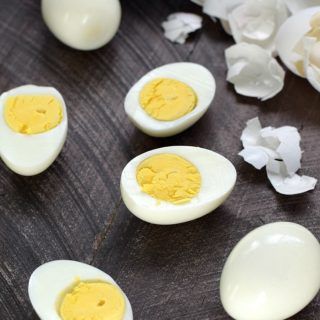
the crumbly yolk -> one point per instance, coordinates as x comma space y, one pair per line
32, 114
169, 177
167, 99
93, 301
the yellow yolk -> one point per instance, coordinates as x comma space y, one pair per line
167, 99
32, 114
169, 177
93, 301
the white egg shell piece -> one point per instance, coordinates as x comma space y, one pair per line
218, 177
31, 154
290, 33
196, 76
49, 281
82, 24
272, 273
297, 5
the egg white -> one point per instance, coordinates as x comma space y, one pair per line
49, 281
218, 179
290, 33
196, 76
31, 154
82, 24
272, 273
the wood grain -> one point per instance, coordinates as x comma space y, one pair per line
74, 209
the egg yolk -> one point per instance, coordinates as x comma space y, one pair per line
169, 177
32, 114
167, 99
93, 301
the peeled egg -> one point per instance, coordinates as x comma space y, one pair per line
170, 99
82, 24
33, 128
272, 273
289, 35
65, 289
176, 184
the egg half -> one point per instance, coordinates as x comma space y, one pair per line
176, 184
170, 99
272, 273
33, 128
65, 289
82, 24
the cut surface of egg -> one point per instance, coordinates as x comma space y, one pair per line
82, 24
33, 128
272, 273
289, 35
170, 99
176, 184
71, 290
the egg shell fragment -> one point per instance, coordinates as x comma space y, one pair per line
178, 26
297, 5
49, 281
290, 33
196, 76
218, 179
272, 273
31, 154
82, 24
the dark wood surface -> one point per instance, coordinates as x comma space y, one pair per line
74, 209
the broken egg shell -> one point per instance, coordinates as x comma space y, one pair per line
290, 33
295, 6
257, 22
287, 184
179, 25
253, 71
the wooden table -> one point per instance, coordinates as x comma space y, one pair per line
74, 209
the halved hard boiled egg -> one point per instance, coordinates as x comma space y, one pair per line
71, 290
170, 99
33, 128
176, 184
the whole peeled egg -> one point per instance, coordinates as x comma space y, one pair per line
82, 24
72, 290
272, 273
176, 184
33, 128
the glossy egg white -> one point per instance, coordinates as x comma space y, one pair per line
196, 76
218, 177
31, 154
272, 273
82, 24
290, 32
49, 281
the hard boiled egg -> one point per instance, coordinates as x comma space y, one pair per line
82, 24
176, 184
33, 128
65, 290
272, 273
170, 99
